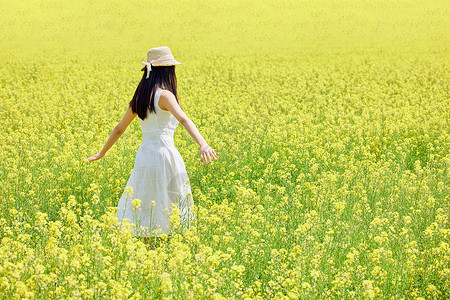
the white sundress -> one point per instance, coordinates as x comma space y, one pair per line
159, 175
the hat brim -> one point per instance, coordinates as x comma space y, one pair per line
171, 62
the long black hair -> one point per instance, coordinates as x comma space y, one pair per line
160, 76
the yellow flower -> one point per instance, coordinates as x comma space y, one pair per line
306, 286
136, 204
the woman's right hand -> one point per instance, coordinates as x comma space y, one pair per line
206, 152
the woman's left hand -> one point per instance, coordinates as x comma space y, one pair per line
94, 157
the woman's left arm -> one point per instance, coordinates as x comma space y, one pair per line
115, 134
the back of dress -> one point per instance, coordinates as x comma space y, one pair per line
159, 175
160, 122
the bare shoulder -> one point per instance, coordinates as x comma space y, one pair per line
166, 99
167, 94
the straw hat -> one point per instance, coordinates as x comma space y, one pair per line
159, 56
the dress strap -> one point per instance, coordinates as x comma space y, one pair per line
156, 99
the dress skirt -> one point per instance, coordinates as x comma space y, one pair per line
158, 179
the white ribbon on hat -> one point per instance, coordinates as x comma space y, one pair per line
149, 68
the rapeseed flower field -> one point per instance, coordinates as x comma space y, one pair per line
330, 118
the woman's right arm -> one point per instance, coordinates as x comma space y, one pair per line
167, 101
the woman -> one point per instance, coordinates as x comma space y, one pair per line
159, 176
